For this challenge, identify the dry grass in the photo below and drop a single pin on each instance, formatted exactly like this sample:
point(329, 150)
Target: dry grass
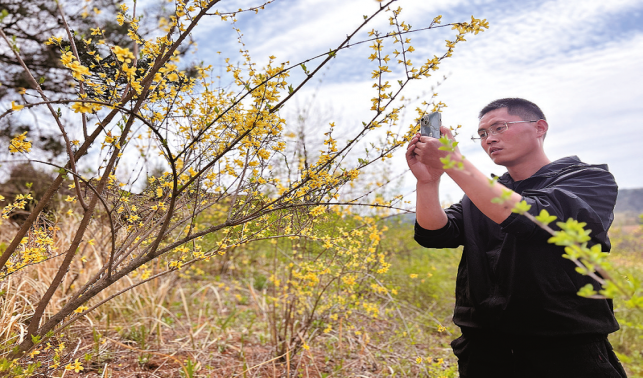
point(215, 322)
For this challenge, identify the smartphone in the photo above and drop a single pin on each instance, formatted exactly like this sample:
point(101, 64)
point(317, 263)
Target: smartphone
point(430, 124)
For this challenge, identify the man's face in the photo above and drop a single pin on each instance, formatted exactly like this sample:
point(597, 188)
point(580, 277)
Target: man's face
point(515, 144)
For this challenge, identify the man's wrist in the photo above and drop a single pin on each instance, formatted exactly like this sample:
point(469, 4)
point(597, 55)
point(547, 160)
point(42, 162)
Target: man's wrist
point(456, 171)
point(430, 183)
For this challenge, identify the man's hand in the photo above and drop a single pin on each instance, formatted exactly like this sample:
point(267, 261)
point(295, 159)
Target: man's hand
point(423, 157)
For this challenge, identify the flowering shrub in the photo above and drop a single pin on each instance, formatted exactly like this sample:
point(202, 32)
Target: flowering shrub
point(228, 173)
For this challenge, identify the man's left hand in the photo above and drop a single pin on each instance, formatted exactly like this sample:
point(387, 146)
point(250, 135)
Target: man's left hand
point(427, 150)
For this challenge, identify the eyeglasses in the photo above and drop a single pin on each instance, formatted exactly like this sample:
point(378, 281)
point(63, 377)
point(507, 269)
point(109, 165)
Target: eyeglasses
point(496, 128)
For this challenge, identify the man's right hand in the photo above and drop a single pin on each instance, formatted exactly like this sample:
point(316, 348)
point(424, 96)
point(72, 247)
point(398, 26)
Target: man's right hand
point(423, 157)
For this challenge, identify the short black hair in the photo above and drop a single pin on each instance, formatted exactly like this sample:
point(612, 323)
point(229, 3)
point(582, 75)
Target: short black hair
point(525, 109)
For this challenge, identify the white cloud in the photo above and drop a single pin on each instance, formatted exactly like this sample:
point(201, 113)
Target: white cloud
point(571, 58)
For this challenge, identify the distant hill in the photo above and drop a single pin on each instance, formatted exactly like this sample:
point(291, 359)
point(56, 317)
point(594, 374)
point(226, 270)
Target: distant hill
point(629, 201)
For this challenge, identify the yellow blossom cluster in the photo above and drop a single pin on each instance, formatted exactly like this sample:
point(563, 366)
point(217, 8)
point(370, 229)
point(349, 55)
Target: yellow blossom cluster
point(19, 203)
point(34, 248)
point(85, 107)
point(20, 144)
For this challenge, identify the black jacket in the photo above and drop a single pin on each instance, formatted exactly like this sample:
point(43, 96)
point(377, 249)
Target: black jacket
point(512, 281)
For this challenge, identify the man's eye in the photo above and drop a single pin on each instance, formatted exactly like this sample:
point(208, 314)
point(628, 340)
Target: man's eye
point(482, 134)
point(498, 128)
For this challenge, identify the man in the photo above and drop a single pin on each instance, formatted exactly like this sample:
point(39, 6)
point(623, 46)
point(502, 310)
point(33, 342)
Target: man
point(516, 296)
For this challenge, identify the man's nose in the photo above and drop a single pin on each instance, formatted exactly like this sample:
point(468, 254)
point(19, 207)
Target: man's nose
point(491, 138)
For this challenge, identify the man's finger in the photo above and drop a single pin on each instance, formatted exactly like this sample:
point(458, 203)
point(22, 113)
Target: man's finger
point(412, 143)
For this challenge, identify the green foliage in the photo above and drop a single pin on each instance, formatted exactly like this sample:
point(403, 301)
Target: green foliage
point(506, 194)
point(521, 207)
point(191, 367)
point(572, 233)
point(545, 218)
point(587, 291)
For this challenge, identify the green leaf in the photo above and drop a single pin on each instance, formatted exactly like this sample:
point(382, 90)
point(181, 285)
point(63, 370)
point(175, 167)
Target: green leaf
point(610, 290)
point(635, 302)
point(365, 17)
point(447, 162)
point(4, 364)
point(583, 271)
point(290, 90)
point(545, 218)
point(521, 207)
point(587, 291)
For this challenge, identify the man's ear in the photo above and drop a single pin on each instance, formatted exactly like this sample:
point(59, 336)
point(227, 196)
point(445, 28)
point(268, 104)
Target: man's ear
point(541, 128)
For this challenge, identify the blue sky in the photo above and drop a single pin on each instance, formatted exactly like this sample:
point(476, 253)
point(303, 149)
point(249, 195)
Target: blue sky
point(580, 61)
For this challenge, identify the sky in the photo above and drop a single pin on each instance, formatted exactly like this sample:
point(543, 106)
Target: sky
point(580, 61)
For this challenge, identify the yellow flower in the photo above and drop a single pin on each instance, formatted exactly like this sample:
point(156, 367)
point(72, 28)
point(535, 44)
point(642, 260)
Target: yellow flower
point(318, 210)
point(20, 144)
point(54, 40)
point(77, 70)
point(263, 154)
point(123, 54)
point(75, 366)
point(84, 107)
point(413, 275)
point(67, 58)
point(173, 77)
point(15, 107)
point(418, 360)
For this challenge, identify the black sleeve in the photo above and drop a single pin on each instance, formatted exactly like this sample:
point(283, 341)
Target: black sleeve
point(587, 195)
point(449, 236)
